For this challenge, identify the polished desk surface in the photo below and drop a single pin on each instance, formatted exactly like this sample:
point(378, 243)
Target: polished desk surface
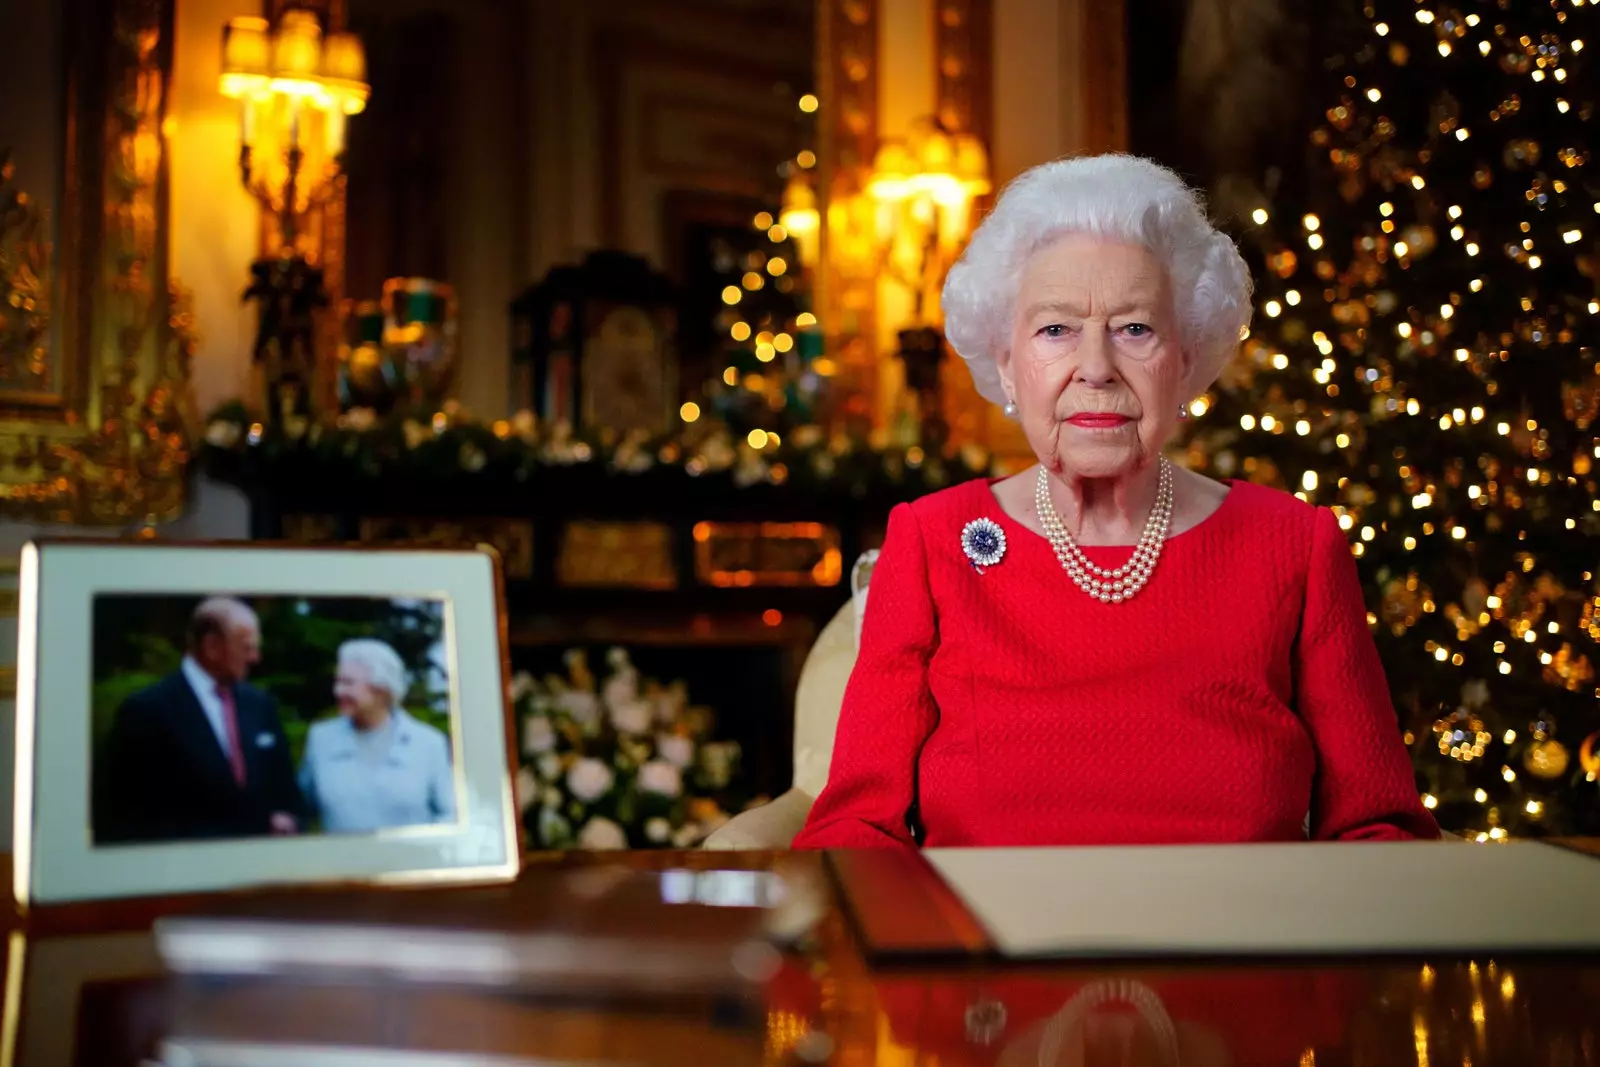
point(90, 990)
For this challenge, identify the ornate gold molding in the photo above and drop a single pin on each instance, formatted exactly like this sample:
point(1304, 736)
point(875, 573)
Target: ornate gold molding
point(847, 44)
point(964, 102)
point(107, 442)
point(24, 289)
point(964, 86)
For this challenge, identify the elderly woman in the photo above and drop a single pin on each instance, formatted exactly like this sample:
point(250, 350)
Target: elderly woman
point(1105, 648)
point(375, 766)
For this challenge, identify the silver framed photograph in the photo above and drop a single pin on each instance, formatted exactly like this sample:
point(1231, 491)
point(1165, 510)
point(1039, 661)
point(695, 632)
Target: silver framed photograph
point(197, 718)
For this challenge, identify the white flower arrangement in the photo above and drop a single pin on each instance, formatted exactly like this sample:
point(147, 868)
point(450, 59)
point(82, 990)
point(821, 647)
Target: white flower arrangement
point(620, 764)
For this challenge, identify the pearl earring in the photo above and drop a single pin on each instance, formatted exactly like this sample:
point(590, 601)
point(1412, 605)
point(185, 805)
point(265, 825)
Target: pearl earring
point(1010, 410)
point(1183, 414)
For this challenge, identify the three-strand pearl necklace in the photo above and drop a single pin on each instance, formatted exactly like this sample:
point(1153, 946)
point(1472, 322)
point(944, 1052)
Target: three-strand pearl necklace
point(1109, 585)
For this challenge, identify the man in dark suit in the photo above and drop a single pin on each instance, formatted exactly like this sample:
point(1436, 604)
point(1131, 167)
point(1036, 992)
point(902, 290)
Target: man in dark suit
point(201, 753)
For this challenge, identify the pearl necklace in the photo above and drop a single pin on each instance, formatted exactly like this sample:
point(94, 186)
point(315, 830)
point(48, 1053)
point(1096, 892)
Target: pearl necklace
point(1109, 586)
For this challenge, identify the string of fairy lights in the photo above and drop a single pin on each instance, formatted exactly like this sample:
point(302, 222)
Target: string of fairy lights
point(1420, 364)
point(789, 368)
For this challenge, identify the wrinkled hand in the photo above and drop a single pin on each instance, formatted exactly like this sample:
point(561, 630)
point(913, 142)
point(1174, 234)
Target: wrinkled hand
point(284, 824)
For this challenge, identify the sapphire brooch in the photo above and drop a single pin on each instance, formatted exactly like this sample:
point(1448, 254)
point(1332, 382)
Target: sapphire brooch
point(984, 543)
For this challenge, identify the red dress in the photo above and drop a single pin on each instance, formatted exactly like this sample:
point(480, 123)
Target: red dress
point(1237, 697)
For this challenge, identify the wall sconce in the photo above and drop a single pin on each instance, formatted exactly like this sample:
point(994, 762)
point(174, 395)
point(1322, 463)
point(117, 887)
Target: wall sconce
point(799, 215)
point(295, 89)
point(925, 186)
point(292, 84)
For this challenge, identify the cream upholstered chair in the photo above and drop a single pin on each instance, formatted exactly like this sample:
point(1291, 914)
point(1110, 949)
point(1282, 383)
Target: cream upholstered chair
point(816, 716)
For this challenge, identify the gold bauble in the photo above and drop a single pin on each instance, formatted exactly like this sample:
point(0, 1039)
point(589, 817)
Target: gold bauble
point(1516, 63)
point(366, 380)
point(1522, 152)
point(1580, 401)
point(1420, 240)
point(1547, 759)
point(1351, 313)
point(1282, 262)
point(1475, 596)
point(1402, 602)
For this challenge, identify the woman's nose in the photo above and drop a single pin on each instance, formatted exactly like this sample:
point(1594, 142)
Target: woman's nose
point(1095, 363)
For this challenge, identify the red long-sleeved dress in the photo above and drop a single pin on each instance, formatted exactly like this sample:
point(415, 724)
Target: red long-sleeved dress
point(1237, 697)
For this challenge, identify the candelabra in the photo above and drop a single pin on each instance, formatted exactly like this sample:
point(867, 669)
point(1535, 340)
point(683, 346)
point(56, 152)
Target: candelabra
point(296, 88)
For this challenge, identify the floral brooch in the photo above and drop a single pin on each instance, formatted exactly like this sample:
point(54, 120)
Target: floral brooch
point(983, 542)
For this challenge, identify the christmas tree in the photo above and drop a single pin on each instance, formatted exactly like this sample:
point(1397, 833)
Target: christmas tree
point(771, 376)
point(1422, 362)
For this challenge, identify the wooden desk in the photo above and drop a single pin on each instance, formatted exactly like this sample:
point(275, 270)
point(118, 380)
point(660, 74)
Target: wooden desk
point(101, 998)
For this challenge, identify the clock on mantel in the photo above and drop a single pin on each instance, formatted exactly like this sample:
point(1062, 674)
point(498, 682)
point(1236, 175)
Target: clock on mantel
point(595, 346)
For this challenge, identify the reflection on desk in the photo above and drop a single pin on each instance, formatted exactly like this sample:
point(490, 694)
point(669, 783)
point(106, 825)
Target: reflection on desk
point(104, 999)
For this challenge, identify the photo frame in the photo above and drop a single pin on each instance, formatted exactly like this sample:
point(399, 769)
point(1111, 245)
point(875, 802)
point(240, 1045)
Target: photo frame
point(203, 718)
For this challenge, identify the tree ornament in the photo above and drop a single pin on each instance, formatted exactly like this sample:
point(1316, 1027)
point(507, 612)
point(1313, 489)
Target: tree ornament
point(1580, 401)
point(1475, 596)
point(1521, 153)
point(1516, 63)
point(1420, 240)
point(1482, 177)
point(1402, 603)
point(1570, 670)
point(1351, 313)
point(1546, 759)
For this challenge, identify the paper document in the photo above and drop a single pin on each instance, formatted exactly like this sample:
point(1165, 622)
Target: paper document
point(1291, 899)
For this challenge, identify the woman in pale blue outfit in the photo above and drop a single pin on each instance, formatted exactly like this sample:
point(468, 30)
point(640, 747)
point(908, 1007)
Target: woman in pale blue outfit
point(374, 766)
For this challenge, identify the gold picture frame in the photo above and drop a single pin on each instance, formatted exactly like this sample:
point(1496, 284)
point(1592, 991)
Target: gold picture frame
point(96, 414)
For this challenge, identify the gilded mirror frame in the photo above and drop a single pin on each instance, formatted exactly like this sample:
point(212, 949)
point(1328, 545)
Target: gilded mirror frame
point(95, 407)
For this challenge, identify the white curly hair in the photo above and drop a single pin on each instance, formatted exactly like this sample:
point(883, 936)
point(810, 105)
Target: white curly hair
point(1118, 197)
point(385, 669)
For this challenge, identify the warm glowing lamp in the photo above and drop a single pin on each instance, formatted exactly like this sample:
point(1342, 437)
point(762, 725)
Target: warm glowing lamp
point(972, 165)
point(291, 80)
point(292, 77)
point(934, 151)
point(801, 218)
point(949, 169)
point(246, 57)
point(297, 55)
point(344, 71)
point(892, 170)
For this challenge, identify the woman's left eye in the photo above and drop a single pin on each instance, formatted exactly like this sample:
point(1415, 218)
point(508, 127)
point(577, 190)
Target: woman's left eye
point(1055, 329)
point(1137, 329)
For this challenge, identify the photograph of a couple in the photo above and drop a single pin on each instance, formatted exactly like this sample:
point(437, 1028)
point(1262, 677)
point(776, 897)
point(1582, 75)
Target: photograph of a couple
point(233, 717)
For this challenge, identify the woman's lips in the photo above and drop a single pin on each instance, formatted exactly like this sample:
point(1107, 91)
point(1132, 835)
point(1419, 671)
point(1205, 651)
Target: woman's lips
point(1091, 421)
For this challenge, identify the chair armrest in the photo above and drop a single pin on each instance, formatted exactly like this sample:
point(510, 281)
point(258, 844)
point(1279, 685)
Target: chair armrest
point(770, 827)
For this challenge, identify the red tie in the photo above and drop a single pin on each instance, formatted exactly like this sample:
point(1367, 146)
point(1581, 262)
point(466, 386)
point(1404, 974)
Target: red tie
point(230, 723)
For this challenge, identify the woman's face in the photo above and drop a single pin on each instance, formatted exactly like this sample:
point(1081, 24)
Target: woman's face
point(355, 694)
point(1095, 365)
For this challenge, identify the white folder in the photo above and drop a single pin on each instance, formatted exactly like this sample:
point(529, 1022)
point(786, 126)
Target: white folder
point(1279, 900)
